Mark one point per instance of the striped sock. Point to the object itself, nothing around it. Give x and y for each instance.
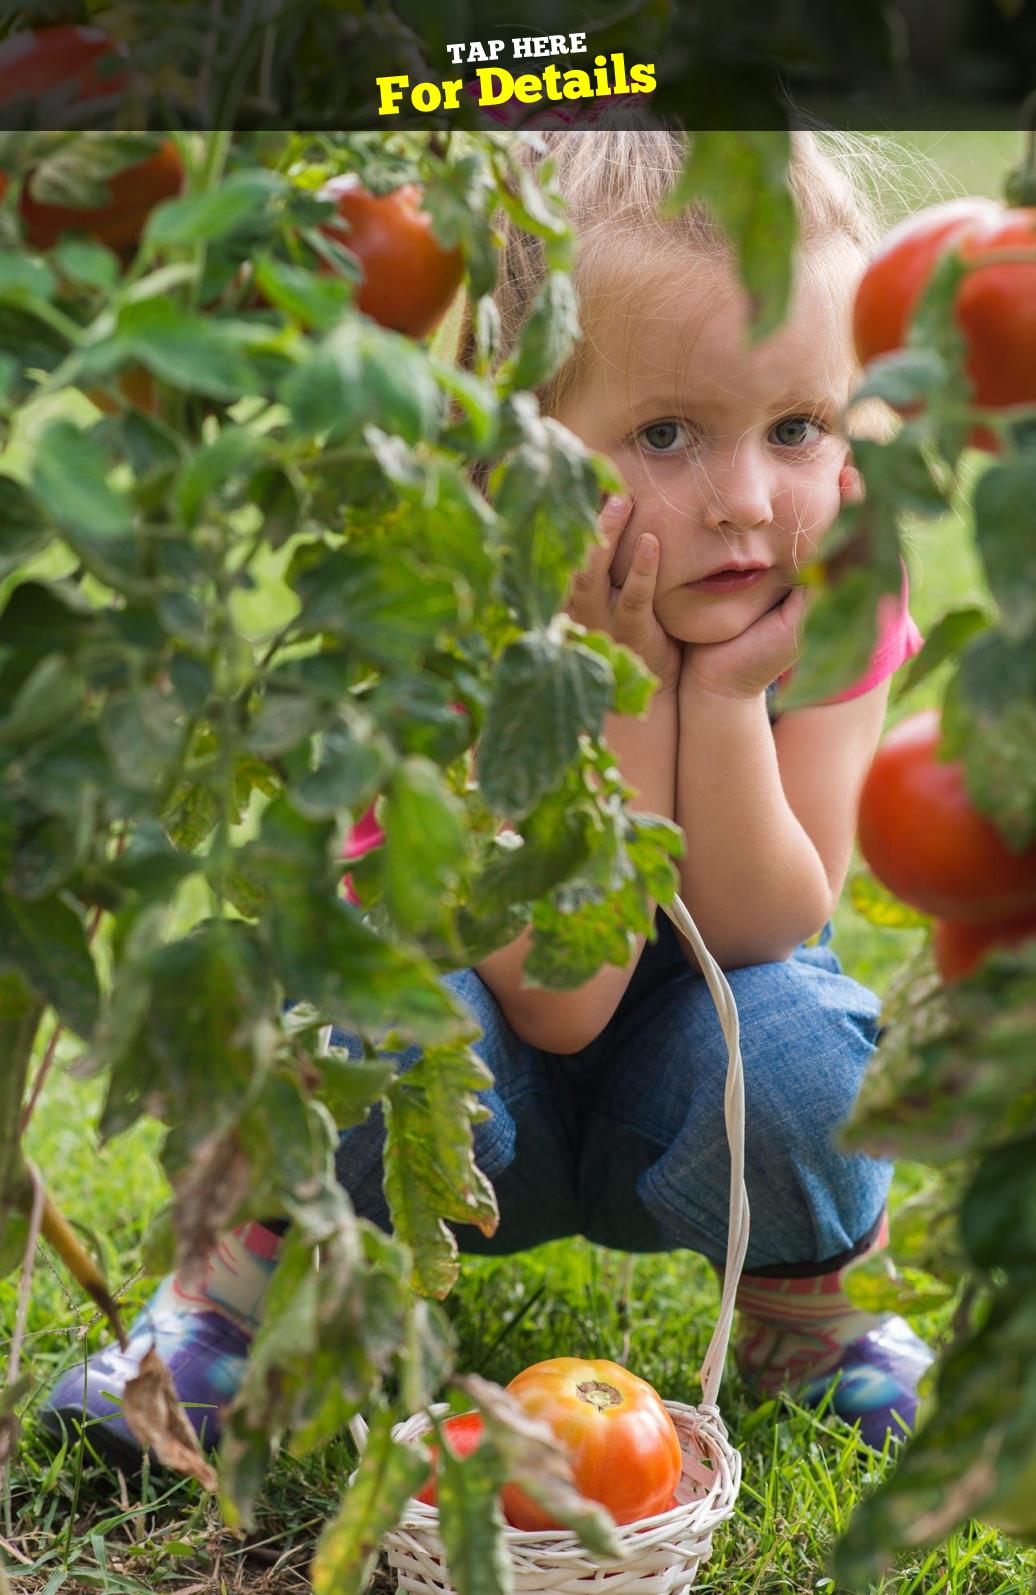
(237, 1274)
(792, 1330)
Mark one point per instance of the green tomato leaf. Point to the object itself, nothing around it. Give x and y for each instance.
(25, 279)
(472, 1522)
(52, 694)
(1003, 501)
(742, 178)
(425, 848)
(547, 497)
(190, 351)
(545, 696)
(548, 336)
(23, 530)
(316, 301)
(70, 477)
(390, 612)
(947, 639)
(236, 205)
(388, 1475)
(989, 720)
(46, 944)
(323, 951)
(430, 1170)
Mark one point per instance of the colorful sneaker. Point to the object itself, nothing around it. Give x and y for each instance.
(205, 1353)
(877, 1378)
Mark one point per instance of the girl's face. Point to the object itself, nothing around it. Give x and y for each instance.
(731, 453)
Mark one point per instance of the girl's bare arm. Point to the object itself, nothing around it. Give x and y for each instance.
(769, 814)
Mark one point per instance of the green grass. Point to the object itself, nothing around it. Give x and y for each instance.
(71, 1522)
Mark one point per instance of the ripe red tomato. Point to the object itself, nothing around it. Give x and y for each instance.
(995, 305)
(922, 837)
(84, 63)
(959, 949)
(463, 1434)
(133, 194)
(620, 1440)
(409, 279)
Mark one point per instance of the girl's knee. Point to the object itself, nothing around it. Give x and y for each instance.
(807, 1037)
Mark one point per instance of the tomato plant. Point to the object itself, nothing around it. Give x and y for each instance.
(463, 1433)
(619, 1437)
(133, 194)
(409, 277)
(995, 304)
(925, 840)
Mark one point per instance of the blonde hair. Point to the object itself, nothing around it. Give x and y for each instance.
(614, 182)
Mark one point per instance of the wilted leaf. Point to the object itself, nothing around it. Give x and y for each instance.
(388, 1475)
(207, 1196)
(152, 1410)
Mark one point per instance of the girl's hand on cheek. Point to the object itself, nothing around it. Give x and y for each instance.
(627, 613)
(744, 666)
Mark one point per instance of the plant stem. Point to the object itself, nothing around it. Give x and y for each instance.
(20, 1014)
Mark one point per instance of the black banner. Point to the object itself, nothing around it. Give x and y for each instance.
(865, 64)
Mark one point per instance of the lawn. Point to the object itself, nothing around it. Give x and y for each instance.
(69, 1521)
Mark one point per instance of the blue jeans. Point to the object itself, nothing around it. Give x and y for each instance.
(624, 1142)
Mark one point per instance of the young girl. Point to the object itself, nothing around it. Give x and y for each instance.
(607, 1103)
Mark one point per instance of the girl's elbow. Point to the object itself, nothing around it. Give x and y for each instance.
(558, 1033)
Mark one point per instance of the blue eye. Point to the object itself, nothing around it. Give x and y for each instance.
(664, 437)
(795, 430)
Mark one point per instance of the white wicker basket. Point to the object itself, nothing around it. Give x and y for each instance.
(662, 1553)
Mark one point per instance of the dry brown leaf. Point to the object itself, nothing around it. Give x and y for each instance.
(207, 1195)
(153, 1411)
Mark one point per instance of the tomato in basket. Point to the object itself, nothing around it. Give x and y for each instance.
(621, 1442)
(463, 1435)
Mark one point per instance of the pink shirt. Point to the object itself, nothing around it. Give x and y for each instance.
(899, 639)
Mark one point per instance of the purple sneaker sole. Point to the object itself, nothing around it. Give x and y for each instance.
(205, 1354)
(877, 1383)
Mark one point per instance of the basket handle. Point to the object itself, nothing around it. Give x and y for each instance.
(711, 1372)
(734, 1115)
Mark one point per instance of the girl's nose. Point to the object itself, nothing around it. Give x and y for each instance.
(738, 494)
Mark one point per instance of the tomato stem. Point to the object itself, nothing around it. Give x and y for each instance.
(598, 1394)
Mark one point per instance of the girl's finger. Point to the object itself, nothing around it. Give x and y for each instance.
(615, 512)
(590, 593)
(634, 607)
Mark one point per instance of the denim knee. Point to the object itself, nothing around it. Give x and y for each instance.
(807, 1035)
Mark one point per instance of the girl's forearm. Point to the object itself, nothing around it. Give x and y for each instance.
(750, 875)
(566, 1021)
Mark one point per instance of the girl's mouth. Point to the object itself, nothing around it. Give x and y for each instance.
(729, 581)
